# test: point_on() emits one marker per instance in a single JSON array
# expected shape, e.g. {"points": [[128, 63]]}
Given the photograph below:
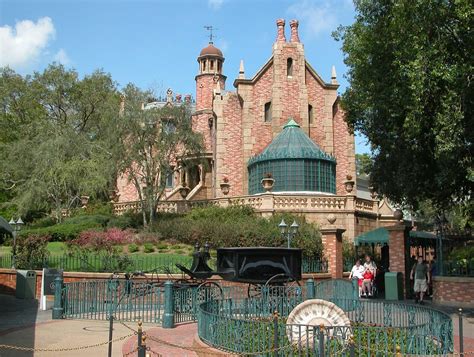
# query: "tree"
{"points": [[59, 140], [411, 93], [363, 164], [155, 143]]}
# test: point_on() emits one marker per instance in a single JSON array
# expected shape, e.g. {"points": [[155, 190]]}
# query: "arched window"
{"points": [[289, 67], [268, 112], [310, 114]]}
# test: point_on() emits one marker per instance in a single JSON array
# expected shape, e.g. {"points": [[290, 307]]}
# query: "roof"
{"points": [[376, 236], [5, 227], [291, 143], [422, 234], [211, 50]]}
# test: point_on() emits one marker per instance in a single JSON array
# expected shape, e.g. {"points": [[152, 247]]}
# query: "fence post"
{"points": [[141, 349], [355, 288], [58, 309], [461, 334], [310, 289], [111, 329], [275, 334], [168, 315], [321, 340]]}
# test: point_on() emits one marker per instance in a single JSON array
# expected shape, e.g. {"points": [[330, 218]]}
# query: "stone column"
{"points": [[396, 244], [332, 242]]}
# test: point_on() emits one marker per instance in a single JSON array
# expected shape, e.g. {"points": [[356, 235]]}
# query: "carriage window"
{"points": [[268, 112], [289, 67]]}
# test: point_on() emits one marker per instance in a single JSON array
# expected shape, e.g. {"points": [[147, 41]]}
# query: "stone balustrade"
{"points": [[268, 202]]}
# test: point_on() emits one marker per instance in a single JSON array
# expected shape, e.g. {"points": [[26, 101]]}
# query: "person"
{"points": [[357, 272], [419, 273], [370, 265], [367, 282]]}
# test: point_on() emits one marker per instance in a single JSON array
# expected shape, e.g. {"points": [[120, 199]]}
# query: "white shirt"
{"points": [[371, 266], [357, 271]]}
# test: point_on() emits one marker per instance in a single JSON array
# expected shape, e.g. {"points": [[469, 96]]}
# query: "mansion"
{"points": [[277, 142]]}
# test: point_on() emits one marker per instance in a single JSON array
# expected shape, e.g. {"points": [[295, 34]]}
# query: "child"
{"points": [[367, 283]]}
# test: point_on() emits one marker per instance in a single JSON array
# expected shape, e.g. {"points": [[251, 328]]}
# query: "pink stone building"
{"points": [[245, 131]]}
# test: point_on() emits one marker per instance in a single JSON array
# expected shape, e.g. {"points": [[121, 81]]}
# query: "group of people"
{"points": [[365, 275]]}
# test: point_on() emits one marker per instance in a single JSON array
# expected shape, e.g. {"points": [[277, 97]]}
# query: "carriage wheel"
{"points": [[254, 290], [286, 287], [207, 291]]}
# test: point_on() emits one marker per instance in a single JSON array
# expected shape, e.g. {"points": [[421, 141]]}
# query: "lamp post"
{"points": [[288, 232], [16, 228]]}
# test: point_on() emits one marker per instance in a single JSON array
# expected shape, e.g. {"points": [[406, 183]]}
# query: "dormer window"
{"points": [[289, 67], [268, 112]]}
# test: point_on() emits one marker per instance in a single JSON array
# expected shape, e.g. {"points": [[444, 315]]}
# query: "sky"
{"points": [[155, 43]]}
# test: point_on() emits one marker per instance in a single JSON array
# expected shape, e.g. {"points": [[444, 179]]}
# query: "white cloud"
{"points": [[62, 57], [215, 4], [317, 16], [23, 44]]}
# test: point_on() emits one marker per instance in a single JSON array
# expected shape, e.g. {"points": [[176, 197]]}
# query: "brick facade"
{"points": [[455, 291], [397, 250], [332, 242]]}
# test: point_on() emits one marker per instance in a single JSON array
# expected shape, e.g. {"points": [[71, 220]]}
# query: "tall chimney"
{"points": [[294, 31], [281, 30]]}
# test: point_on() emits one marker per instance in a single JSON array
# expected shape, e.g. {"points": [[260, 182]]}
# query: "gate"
{"points": [[126, 300]]}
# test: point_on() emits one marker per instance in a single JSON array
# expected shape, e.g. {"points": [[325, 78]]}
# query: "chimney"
{"points": [[178, 98], [294, 31], [241, 70], [187, 98], [281, 30]]}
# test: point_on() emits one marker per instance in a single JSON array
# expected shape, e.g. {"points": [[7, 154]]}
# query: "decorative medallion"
{"points": [[321, 314]]}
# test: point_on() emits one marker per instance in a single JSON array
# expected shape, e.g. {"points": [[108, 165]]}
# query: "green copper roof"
{"points": [[291, 143], [375, 236]]}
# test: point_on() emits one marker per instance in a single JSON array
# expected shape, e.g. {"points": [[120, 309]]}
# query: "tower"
{"points": [[210, 76]]}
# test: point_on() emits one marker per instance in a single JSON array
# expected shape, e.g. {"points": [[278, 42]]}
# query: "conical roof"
{"points": [[291, 143]]}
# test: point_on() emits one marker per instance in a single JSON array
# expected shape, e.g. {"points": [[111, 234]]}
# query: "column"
{"points": [[332, 243], [397, 251]]}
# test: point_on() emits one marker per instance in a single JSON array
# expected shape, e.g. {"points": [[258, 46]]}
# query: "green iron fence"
{"points": [[377, 329], [458, 268], [159, 263]]}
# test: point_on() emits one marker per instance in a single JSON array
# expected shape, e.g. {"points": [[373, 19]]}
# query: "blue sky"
{"points": [[154, 44]]}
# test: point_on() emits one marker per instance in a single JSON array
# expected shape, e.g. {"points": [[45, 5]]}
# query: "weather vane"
{"points": [[211, 35]]}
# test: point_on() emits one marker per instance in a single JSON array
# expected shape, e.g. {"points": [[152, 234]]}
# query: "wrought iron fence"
{"points": [[458, 268], [161, 263], [377, 329]]}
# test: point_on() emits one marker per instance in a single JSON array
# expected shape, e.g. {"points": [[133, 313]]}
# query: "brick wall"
{"points": [[456, 291], [397, 250]]}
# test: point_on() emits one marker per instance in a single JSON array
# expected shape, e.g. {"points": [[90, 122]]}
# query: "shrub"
{"points": [[127, 220], [161, 246], [99, 241], [133, 248], [148, 248], [31, 251], [180, 251]]}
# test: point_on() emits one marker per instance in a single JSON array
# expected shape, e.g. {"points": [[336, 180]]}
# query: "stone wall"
{"points": [[455, 291]]}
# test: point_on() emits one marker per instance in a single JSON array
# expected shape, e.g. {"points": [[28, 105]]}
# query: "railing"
{"points": [[458, 268], [161, 264], [272, 201], [377, 329]]}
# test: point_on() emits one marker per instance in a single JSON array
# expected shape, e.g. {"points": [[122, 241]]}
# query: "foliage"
{"points": [[363, 164], [411, 93], [58, 138], [133, 248], [236, 226], [127, 220], [461, 254], [155, 143], [99, 241], [31, 251], [149, 248]]}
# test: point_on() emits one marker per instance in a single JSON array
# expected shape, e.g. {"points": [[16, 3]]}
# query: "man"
{"points": [[422, 279], [357, 272]]}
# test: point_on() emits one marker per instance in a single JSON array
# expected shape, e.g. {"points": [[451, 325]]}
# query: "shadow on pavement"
{"points": [[17, 314]]}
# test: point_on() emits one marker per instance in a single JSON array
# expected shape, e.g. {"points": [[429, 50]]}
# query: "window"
{"points": [[310, 114], [268, 112], [170, 180], [219, 66], [289, 67], [212, 65]]}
